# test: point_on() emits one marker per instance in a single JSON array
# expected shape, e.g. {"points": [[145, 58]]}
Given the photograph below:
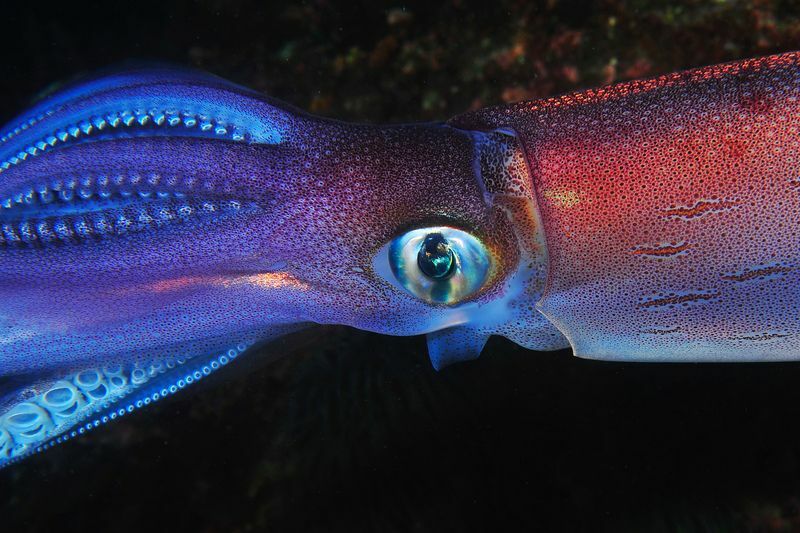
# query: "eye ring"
{"points": [[440, 265]]}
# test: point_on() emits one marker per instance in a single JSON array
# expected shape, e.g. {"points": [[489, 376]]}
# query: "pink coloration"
{"points": [[706, 163]]}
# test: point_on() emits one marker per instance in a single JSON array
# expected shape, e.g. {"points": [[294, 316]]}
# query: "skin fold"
{"points": [[156, 223]]}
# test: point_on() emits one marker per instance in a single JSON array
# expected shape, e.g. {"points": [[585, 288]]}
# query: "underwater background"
{"points": [[334, 429]]}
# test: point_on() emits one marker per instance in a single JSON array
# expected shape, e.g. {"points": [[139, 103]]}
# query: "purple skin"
{"points": [[153, 224]]}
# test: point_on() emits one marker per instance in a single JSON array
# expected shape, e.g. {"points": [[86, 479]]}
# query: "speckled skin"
{"points": [[155, 223], [157, 217], [670, 210], [312, 206]]}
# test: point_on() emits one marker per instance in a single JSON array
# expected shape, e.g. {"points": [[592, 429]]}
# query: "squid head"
{"points": [[155, 223], [406, 230]]}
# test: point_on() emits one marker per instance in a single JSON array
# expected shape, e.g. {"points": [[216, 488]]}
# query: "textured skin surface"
{"points": [[670, 208], [155, 223], [157, 217]]}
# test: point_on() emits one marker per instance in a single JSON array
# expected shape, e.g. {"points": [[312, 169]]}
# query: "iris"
{"points": [[440, 265]]}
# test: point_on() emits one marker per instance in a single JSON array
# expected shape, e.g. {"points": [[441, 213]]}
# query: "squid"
{"points": [[156, 223]]}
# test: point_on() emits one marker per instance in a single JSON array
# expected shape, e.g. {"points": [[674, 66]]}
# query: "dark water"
{"points": [[351, 432]]}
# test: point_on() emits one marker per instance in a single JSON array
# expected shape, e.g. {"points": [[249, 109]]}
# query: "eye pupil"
{"points": [[436, 258]]}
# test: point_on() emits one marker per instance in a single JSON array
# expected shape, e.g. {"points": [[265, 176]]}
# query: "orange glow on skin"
{"points": [[266, 280], [562, 198], [176, 284]]}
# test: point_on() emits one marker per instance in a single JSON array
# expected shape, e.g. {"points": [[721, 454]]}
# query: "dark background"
{"points": [[354, 432]]}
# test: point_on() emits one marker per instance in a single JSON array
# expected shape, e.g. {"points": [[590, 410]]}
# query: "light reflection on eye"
{"points": [[439, 264]]}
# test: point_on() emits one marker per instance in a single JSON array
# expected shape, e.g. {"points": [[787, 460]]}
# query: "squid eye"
{"points": [[440, 264]]}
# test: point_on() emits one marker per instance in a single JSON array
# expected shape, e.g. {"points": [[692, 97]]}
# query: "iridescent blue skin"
{"points": [[155, 223]]}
